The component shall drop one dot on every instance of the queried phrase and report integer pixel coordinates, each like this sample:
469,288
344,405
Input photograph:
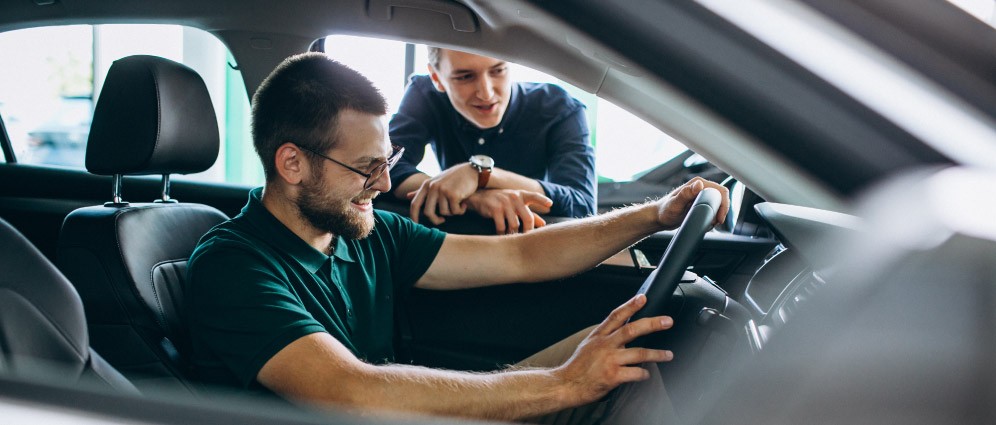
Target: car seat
128,260
42,326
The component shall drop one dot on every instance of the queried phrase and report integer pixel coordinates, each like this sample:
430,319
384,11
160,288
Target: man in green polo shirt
295,294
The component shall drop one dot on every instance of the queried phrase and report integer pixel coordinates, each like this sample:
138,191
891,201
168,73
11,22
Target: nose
383,183
486,88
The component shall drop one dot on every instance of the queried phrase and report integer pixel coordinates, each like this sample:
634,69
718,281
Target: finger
690,190
499,223
538,221
537,200
539,209
645,326
632,374
459,207
414,210
631,356
524,216
411,195
444,206
724,207
430,208
513,220
618,317
683,197
453,205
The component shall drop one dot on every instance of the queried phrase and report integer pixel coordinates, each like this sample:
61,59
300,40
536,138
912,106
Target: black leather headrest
154,116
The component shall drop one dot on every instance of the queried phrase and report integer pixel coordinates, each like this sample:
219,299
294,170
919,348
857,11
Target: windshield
870,75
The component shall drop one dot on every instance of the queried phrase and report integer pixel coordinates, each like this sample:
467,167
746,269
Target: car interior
851,282
127,260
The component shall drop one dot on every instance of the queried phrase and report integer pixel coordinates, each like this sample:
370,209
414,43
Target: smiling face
478,86
332,197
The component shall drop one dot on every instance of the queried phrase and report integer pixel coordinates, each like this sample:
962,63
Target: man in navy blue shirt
507,150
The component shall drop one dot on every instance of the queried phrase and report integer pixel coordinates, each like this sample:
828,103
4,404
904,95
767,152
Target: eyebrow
468,71
366,161
370,160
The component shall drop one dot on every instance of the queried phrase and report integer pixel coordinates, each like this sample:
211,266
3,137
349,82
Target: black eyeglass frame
375,173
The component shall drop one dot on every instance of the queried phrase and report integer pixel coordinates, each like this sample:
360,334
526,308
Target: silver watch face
482,161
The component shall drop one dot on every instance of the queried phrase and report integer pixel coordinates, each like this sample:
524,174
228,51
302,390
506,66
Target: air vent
808,286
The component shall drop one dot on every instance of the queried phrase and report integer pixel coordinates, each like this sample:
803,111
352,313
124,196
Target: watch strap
483,176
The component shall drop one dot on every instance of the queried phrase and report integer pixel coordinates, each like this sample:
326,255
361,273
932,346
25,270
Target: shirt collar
343,250
286,240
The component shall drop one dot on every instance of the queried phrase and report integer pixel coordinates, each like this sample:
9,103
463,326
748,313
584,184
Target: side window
46,93
388,69
626,147
50,80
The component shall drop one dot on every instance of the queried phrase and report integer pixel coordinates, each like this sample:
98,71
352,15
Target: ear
291,163
434,75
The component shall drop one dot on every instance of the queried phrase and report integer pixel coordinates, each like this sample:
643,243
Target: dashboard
795,271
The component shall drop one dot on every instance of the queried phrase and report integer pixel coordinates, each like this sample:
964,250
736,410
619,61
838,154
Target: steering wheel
661,285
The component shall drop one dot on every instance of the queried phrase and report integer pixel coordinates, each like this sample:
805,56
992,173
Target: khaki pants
644,402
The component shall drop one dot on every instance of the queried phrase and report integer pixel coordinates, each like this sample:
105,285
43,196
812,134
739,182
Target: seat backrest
128,261
42,325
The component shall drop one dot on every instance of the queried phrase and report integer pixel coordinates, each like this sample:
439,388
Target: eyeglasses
375,172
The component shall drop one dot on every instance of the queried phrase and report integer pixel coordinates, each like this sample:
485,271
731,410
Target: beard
325,212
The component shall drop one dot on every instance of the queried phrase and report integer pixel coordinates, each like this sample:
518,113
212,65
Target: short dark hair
300,102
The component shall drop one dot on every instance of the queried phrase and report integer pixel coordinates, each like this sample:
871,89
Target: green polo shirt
253,287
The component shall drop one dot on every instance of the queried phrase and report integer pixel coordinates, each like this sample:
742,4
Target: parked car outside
61,140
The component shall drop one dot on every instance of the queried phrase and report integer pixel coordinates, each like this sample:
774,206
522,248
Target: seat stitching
155,292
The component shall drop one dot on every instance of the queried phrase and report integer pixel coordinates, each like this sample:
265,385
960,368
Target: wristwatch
483,164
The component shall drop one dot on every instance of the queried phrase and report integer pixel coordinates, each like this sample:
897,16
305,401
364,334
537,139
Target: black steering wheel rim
661,285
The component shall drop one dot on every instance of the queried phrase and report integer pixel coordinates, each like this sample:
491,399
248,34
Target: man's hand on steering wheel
696,210
511,209
675,205
602,361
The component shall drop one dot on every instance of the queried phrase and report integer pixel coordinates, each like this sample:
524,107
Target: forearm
318,369
550,252
410,184
571,247
504,179
507,395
